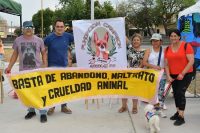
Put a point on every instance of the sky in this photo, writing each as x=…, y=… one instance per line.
x=30, y=7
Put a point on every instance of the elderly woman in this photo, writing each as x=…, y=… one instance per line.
x=179, y=59
x=135, y=56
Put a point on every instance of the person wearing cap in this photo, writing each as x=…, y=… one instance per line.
x=57, y=44
x=154, y=59
x=179, y=60
x=29, y=47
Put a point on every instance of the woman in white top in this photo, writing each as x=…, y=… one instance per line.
x=154, y=59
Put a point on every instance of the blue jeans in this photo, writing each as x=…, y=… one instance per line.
x=42, y=112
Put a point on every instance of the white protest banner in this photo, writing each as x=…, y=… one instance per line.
x=100, y=43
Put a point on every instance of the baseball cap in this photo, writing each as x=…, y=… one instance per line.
x=156, y=36
x=27, y=24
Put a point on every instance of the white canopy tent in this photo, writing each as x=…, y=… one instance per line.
x=192, y=9
x=190, y=28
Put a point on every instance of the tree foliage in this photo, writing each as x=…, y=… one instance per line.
x=140, y=14
x=17, y=32
x=81, y=9
x=47, y=18
x=147, y=14
x=73, y=10
x=168, y=8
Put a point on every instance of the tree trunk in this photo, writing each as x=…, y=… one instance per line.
x=165, y=27
x=148, y=30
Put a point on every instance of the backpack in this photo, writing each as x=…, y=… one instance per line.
x=194, y=66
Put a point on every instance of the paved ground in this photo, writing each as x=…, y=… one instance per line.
x=93, y=120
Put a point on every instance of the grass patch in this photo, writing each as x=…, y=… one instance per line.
x=8, y=54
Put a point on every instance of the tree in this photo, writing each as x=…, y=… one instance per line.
x=17, y=31
x=81, y=9
x=166, y=9
x=87, y=10
x=140, y=14
x=48, y=16
x=109, y=10
x=125, y=9
x=147, y=14
x=72, y=9
x=64, y=2
x=58, y=14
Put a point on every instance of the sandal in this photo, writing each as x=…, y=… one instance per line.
x=122, y=109
x=134, y=110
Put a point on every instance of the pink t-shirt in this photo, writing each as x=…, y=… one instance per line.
x=29, y=52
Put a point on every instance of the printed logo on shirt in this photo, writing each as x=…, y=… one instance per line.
x=28, y=50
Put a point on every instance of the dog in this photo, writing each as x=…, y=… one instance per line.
x=101, y=46
x=152, y=120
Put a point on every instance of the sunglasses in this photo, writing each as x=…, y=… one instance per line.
x=28, y=27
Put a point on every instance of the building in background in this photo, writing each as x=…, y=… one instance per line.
x=3, y=28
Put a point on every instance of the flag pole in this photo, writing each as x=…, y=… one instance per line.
x=42, y=19
x=92, y=9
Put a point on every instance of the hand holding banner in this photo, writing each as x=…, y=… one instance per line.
x=43, y=88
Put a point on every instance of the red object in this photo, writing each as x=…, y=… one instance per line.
x=167, y=90
x=177, y=60
x=195, y=44
x=15, y=95
x=7, y=71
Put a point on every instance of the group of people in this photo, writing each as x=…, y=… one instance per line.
x=54, y=48
x=176, y=60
